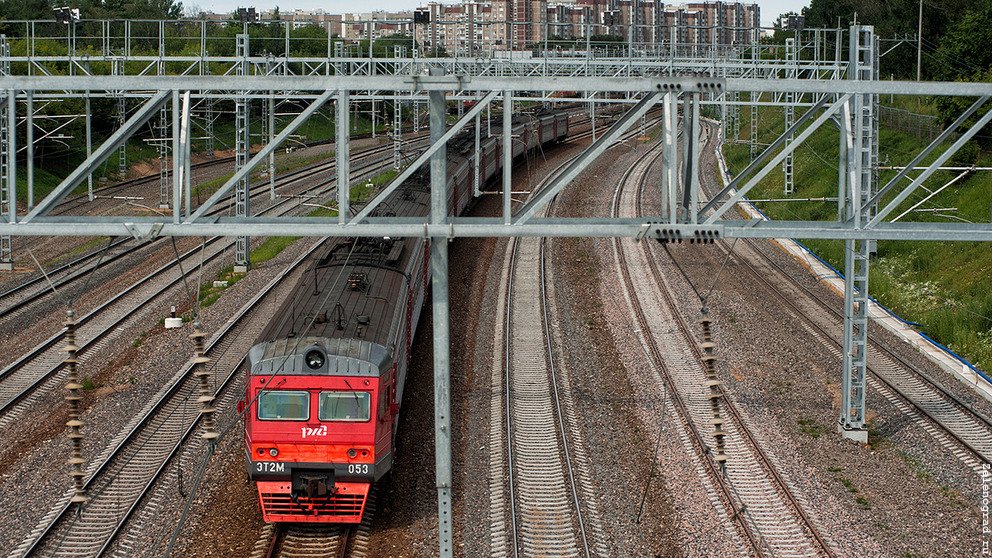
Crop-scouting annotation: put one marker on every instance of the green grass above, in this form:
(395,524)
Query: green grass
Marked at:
(943,287)
(271,248)
(209,294)
(811,428)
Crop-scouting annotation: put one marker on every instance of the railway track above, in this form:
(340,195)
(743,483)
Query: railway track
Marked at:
(776,522)
(37,288)
(956,425)
(120,477)
(550,503)
(310,540)
(951,421)
(22,381)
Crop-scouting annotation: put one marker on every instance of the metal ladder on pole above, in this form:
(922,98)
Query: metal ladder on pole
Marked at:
(162,140)
(117,69)
(242,146)
(755,97)
(6,203)
(789,113)
(863,165)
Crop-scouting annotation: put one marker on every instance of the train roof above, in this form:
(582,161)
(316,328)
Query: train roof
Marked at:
(339,357)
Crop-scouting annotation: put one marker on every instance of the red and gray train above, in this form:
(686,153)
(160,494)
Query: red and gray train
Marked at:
(325,379)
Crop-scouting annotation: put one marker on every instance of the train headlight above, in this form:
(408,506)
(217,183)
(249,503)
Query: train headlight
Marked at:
(352,453)
(314,359)
(274,452)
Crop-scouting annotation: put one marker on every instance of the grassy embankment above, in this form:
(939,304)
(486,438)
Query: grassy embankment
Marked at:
(944,287)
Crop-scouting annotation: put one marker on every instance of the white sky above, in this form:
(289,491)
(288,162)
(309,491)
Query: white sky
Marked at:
(770,9)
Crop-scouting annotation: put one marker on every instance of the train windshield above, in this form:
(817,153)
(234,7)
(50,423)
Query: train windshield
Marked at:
(283,405)
(345,405)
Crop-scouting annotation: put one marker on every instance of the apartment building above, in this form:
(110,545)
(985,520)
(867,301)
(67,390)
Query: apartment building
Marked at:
(474,27)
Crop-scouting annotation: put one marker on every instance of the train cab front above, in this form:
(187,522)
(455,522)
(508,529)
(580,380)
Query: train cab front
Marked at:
(310,439)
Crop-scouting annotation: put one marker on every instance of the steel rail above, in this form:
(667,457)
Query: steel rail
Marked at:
(34,383)
(174,392)
(696,438)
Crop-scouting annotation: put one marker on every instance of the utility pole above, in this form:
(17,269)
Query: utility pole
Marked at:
(919,44)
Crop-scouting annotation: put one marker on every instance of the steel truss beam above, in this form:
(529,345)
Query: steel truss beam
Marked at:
(260,156)
(582,161)
(425,156)
(98,156)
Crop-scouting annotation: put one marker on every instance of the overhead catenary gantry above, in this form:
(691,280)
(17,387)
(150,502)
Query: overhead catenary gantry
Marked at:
(843,94)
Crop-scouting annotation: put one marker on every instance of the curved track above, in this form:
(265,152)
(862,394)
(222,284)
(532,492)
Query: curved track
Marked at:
(952,422)
(775,522)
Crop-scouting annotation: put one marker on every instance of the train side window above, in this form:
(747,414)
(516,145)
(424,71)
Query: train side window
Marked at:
(351,406)
(283,405)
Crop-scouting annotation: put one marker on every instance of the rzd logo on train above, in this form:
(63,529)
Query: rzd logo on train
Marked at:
(311,432)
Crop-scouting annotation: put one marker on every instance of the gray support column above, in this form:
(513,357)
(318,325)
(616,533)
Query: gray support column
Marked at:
(507,156)
(29,144)
(789,114)
(208,124)
(862,165)
(691,154)
(8,160)
(242,252)
(476,162)
(439,284)
(89,145)
(397,133)
(271,105)
(162,142)
(341,150)
(117,68)
(177,158)
(669,173)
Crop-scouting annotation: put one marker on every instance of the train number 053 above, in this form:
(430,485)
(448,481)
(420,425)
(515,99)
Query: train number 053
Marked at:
(358,468)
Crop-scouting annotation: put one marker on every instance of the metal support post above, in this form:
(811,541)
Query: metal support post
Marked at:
(341,150)
(439,284)
(271,123)
(8,160)
(89,145)
(208,127)
(755,97)
(242,253)
(162,143)
(507,155)
(476,162)
(29,145)
(753,138)
(690,181)
(592,115)
(397,133)
(861,172)
(178,158)
(117,69)
(669,173)
(789,113)
(736,116)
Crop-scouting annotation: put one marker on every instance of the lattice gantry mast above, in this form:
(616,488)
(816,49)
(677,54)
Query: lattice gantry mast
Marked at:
(8,162)
(242,146)
(861,128)
(162,134)
(755,97)
(117,69)
(789,113)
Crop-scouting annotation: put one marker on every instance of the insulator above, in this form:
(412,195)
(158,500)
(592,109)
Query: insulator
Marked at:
(201,372)
(73,386)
